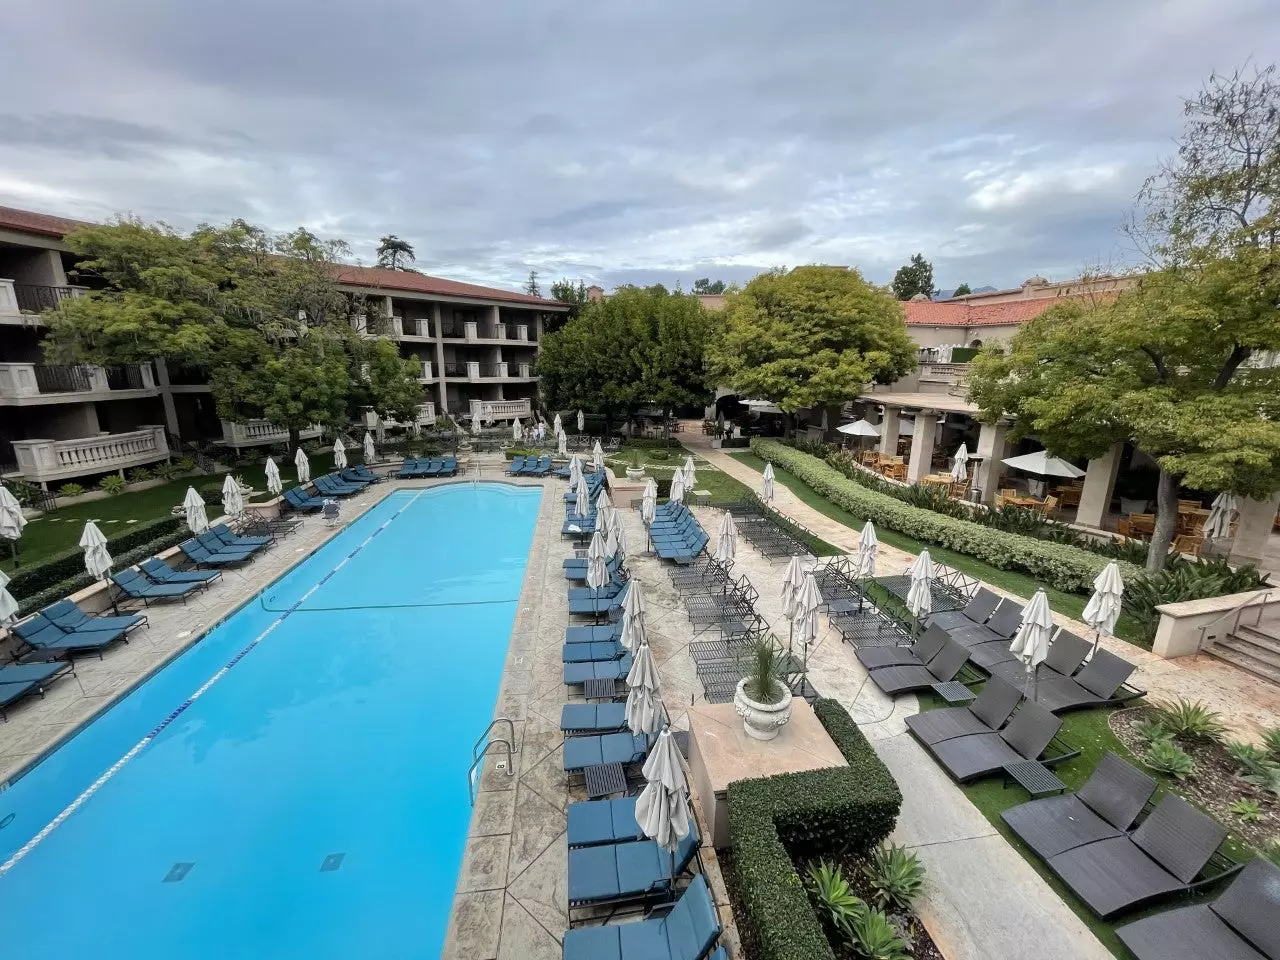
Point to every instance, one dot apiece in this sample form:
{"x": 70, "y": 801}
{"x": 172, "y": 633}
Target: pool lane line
{"x": 222, "y": 671}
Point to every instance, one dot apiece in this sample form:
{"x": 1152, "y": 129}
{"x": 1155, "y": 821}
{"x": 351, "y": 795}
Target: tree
{"x": 394, "y": 253}
{"x": 386, "y": 383}
{"x": 914, "y": 277}
{"x": 566, "y": 291}
{"x": 531, "y": 285}
{"x": 816, "y": 335}
{"x": 706, "y": 287}
{"x": 961, "y": 291}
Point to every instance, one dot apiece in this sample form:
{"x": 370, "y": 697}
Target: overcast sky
{"x": 621, "y": 141}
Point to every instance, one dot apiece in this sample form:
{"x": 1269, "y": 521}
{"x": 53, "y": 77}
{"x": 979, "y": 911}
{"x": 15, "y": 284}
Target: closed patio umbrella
{"x": 1031, "y": 642}
{"x": 617, "y": 535}
{"x": 8, "y": 606}
{"x": 690, "y": 478}
{"x": 633, "y": 628}
{"x": 11, "y": 519}
{"x": 339, "y": 454}
{"x": 303, "y": 465}
{"x": 597, "y": 456}
{"x": 960, "y": 469}
{"x": 766, "y": 485}
{"x": 582, "y": 505}
{"x": 920, "y": 597}
{"x": 1043, "y": 465}
{"x": 1103, "y": 609}
{"x": 792, "y": 577}
{"x": 274, "y": 486}
{"x": 575, "y": 471}
{"x": 677, "y": 488}
{"x": 582, "y": 422}
{"x": 232, "y": 498}
{"x": 662, "y": 809}
{"x": 868, "y": 543}
{"x": 96, "y": 558}
{"x": 808, "y": 603}
{"x": 649, "y": 501}
{"x": 644, "y": 703}
{"x": 370, "y": 454}
{"x": 557, "y": 425}
{"x": 193, "y": 507}
{"x": 604, "y": 508}
{"x": 562, "y": 442}
{"x": 727, "y": 541}
{"x": 597, "y": 574}
{"x": 1218, "y": 526}
{"x": 516, "y": 432}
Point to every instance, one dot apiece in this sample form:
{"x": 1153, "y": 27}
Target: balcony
{"x": 500, "y": 409}
{"x": 20, "y": 303}
{"x": 426, "y": 373}
{"x": 34, "y": 384}
{"x": 42, "y": 461}
{"x": 455, "y": 371}
{"x": 260, "y": 433}
{"x": 426, "y": 416}
{"x": 953, "y": 375}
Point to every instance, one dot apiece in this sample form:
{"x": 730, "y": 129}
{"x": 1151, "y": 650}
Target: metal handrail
{"x": 1260, "y": 599}
{"x": 481, "y": 750}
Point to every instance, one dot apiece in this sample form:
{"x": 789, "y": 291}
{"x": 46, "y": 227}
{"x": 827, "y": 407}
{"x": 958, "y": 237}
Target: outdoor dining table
{"x": 1030, "y": 502}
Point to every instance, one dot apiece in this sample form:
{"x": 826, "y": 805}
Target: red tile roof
{"x": 25, "y": 221}
{"x": 925, "y": 313}
{"x": 421, "y": 283}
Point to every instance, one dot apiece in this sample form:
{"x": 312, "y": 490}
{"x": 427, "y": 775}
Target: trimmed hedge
{"x": 1066, "y": 568}
{"x": 774, "y": 821}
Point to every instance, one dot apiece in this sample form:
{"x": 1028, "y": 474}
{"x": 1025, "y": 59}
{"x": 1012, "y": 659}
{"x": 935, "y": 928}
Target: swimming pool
{"x": 310, "y": 801}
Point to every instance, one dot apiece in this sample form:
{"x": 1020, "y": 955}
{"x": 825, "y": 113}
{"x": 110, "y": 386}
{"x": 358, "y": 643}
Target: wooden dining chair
{"x": 1049, "y": 505}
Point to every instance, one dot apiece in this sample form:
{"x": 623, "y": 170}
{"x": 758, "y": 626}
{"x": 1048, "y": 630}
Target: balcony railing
{"x": 953, "y": 373}
{"x": 43, "y": 460}
{"x": 125, "y": 377}
{"x": 456, "y": 331}
{"x": 257, "y": 433}
{"x": 29, "y": 382}
{"x": 455, "y": 370}
{"x": 426, "y": 373}
{"x": 35, "y": 297}
{"x": 52, "y": 378}
{"x": 425, "y": 416}
{"x": 500, "y": 409}
{"x": 490, "y": 369}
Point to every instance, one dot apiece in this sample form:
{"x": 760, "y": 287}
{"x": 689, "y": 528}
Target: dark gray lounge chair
{"x": 1026, "y": 737}
{"x": 943, "y": 667}
{"x": 1105, "y": 806}
{"x": 1099, "y": 684}
{"x": 976, "y": 612}
{"x": 1242, "y": 924}
{"x": 1164, "y": 856}
{"x": 1066, "y": 653}
{"x": 919, "y": 653}
{"x": 1002, "y": 626}
{"x": 987, "y": 714}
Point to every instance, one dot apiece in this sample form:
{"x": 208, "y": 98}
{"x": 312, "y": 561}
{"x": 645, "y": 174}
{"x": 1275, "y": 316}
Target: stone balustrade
{"x": 257, "y": 433}
{"x": 41, "y": 461}
{"x": 23, "y": 384}
{"x": 500, "y": 409}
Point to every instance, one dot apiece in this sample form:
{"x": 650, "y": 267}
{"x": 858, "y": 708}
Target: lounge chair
{"x": 448, "y": 467}
{"x": 602, "y": 821}
{"x": 161, "y": 572}
{"x": 47, "y": 640}
{"x": 18, "y": 681}
{"x": 628, "y": 871}
{"x": 299, "y": 499}
{"x": 576, "y": 674}
{"x": 575, "y": 568}
{"x": 1242, "y": 924}
{"x": 1105, "y": 806}
{"x": 688, "y": 932}
{"x": 542, "y": 468}
{"x": 216, "y": 546}
{"x": 1026, "y": 737}
{"x": 625, "y": 748}
{"x": 598, "y": 605}
{"x": 201, "y": 555}
{"x": 1163, "y": 857}
{"x": 617, "y": 581}
{"x": 1099, "y": 684}
{"x": 924, "y": 649}
{"x": 515, "y": 466}
{"x": 69, "y": 616}
{"x": 987, "y": 714}
{"x": 944, "y": 666}
{"x": 1003, "y": 625}
{"x": 612, "y": 567}
{"x": 408, "y": 469}
{"x": 1066, "y": 653}
{"x": 587, "y": 718}
{"x": 593, "y": 633}
{"x": 135, "y": 586}
{"x": 232, "y": 540}
{"x": 360, "y": 474}
{"x": 975, "y": 613}
{"x": 582, "y": 652}
{"x": 332, "y": 488}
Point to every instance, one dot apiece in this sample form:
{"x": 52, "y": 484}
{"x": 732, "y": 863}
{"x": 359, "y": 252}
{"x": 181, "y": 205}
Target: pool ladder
{"x": 483, "y": 748}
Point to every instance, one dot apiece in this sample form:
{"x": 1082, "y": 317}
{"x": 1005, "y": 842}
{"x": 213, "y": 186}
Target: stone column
{"x": 438, "y": 333}
{"x": 993, "y": 446}
{"x": 166, "y": 396}
{"x": 889, "y": 430}
{"x": 1099, "y": 482}
{"x": 923, "y": 439}
{"x": 1253, "y": 530}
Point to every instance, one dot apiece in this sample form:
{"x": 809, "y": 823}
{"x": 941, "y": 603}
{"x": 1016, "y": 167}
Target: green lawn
{"x": 1070, "y": 604}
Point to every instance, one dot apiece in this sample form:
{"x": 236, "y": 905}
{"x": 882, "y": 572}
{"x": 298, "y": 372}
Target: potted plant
{"x": 635, "y": 472}
{"x": 762, "y": 699}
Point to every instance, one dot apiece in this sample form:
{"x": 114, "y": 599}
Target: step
{"x": 1259, "y": 646}
{"x": 1261, "y": 637}
{"x": 1244, "y": 662}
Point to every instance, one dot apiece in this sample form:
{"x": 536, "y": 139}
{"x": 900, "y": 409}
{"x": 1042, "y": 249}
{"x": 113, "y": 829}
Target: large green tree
{"x": 1167, "y": 365}
{"x": 394, "y": 253}
{"x": 566, "y": 291}
{"x": 913, "y": 278}
{"x": 813, "y": 336}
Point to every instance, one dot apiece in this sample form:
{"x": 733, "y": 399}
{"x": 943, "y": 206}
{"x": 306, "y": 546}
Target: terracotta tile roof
{"x": 925, "y": 313}
{"x": 26, "y": 221}
{"x": 421, "y": 283}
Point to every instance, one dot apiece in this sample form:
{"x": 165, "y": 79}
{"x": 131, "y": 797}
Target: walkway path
{"x": 1248, "y": 704}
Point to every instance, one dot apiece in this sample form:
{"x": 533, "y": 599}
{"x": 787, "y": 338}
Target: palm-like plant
{"x": 832, "y": 892}
{"x": 897, "y": 876}
{"x": 764, "y": 672}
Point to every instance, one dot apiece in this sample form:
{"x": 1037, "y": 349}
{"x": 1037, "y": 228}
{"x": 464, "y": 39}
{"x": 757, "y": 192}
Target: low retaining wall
{"x": 1186, "y": 627}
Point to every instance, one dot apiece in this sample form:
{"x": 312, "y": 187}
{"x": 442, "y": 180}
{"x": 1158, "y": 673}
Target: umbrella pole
{"x": 1097, "y": 639}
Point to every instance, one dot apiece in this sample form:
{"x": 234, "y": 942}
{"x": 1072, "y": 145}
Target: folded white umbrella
{"x": 960, "y": 469}
{"x": 644, "y": 703}
{"x": 562, "y": 442}
{"x": 303, "y": 464}
{"x": 274, "y": 486}
{"x": 597, "y": 456}
{"x": 633, "y": 627}
{"x": 617, "y": 535}
{"x": 370, "y": 454}
{"x": 557, "y": 426}
{"x": 727, "y": 541}
{"x": 1043, "y": 465}
{"x": 96, "y": 558}
{"x": 232, "y": 498}
{"x": 575, "y": 471}
{"x": 1218, "y": 526}
{"x": 677, "y": 488}
{"x": 868, "y": 543}
{"x": 339, "y": 454}
{"x": 11, "y": 519}
{"x": 792, "y": 577}
{"x": 808, "y": 603}
{"x": 766, "y": 485}
{"x": 582, "y": 422}
{"x": 597, "y": 574}
{"x": 1103, "y": 609}
{"x": 582, "y": 505}
{"x": 662, "y": 809}
{"x": 8, "y": 606}
{"x": 193, "y": 507}
{"x": 690, "y": 478}
{"x": 920, "y": 597}
{"x": 649, "y": 501}
{"x": 1031, "y": 642}
{"x": 611, "y": 536}
{"x": 859, "y": 428}
{"x": 515, "y": 429}
{"x": 604, "y": 508}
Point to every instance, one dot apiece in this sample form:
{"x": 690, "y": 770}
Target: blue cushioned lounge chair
{"x": 135, "y": 586}
{"x": 625, "y": 748}
{"x": 19, "y": 681}
{"x": 515, "y": 466}
{"x": 45, "y": 639}
{"x": 229, "y": 538}
{"x": 69, "y": 616}
{"x": 602, "y": 821}
{"x": 161, "y": 572}
{"x": 201, "y": 555}
{"x": 596, "y": 606}
{"x": 593, "y": 633}
{"x": 448, "y": 467}
{"x": 216, "y": 546}
{"x": 579, "y": 673}
{"x": 588, "y": 718}
{"x": 688, "y": 932}
{"x": 332, "y": 488}
{"x": 599, "y": 650}
{"x": 299, "y": 499}
{"x": 622, "y": 872}
{"x": 360, "y": 474}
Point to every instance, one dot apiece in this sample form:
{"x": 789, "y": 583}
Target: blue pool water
{"x": 323, "y": 746}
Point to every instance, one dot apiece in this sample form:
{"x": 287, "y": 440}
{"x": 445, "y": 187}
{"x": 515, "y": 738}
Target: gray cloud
{"x": 621, "y": 142}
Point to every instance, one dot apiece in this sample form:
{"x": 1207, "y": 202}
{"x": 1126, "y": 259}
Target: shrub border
{"x": 816, "y": 813}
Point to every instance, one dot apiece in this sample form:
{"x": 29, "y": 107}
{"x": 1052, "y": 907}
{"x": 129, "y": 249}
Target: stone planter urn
{"x": 635, "y": 474}
{"x": 762, "y": 721}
